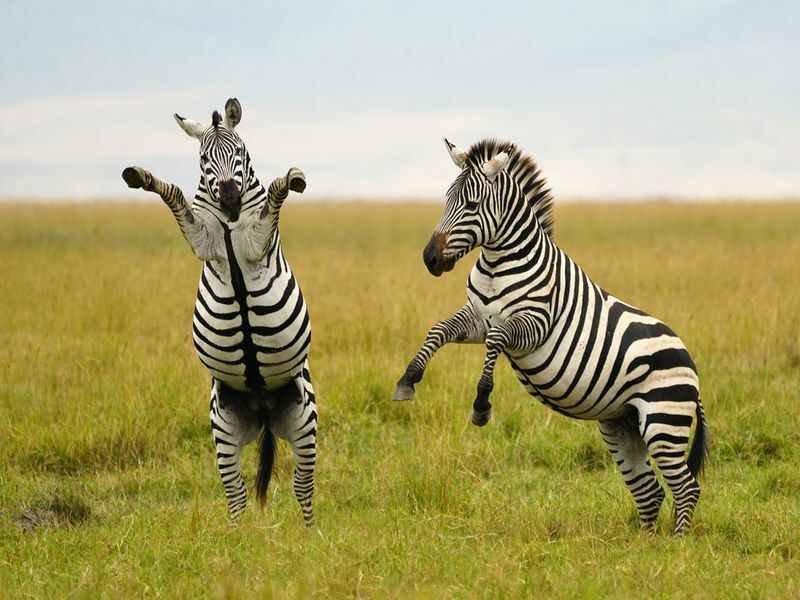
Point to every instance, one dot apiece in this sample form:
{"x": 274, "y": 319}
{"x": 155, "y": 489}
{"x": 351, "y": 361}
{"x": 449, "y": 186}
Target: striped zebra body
{"x": 581, "y": 351}
{"x": 250, "y": 328}
{"x": 582, "y": 368}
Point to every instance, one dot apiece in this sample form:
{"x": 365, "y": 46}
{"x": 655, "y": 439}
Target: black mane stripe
{"x": 524, "y": 170}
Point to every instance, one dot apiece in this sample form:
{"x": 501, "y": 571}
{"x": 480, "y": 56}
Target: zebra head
{"x": 223, "y": 157}
{"x": 473, "y": 207}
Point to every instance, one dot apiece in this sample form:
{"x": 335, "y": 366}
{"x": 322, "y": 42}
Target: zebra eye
{"x": 470, "y": 205}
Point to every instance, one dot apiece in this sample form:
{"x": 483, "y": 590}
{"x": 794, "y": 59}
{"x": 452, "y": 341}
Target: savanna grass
{"x": 108, "y": 485}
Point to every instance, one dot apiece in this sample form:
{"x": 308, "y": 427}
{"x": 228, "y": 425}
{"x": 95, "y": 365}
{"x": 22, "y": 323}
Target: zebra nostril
{"x": 429, "y": 255}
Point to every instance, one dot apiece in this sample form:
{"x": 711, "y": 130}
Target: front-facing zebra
{"x": 583, "y": 352}
{"x": 251, "y": 327}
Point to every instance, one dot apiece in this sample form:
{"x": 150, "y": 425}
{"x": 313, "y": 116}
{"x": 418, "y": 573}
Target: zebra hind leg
{"x": 232, "y": 430}
{"x": 628, "y": 450}
{"x": 299, "y": 427}
{"x": 665, "y": 430}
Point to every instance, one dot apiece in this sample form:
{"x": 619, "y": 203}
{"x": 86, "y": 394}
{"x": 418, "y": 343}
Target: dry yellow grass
{"x": 108, "y": 483}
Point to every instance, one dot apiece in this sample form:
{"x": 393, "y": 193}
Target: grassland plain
{"x": 108, "y": 484}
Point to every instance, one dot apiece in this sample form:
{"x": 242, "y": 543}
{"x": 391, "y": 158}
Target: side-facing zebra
{"x": 251, "y": 328}
{"x": 583, "y": 352}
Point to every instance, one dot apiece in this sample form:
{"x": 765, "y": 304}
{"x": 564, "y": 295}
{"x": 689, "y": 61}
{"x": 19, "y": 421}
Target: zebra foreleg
{"x": 264, "y": 229}
{"x": 232, "y": 431}
{"x": 496, "y": 342}
{"x": 628, "y": 450}
{"x": 462, "y": 327}
{"x": 192, "y": 227}
{"x": 521, "y": 332}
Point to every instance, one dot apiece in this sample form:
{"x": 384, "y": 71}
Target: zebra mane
{"x": 216, "y": 118}
{"x": 524, "y": 170}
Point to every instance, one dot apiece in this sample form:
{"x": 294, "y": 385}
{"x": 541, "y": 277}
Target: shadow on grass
{"x": 62, "y": 509}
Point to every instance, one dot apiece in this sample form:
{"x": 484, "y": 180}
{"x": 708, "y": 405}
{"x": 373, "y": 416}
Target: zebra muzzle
{"x": 230, "y": 199}
{"x": 433, "y": 255}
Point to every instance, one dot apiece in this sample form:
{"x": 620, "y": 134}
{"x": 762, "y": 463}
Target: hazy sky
{"x": 614, "y": 99}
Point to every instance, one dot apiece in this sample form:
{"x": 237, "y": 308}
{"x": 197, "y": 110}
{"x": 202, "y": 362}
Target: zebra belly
{"x": 280, "y": 329}
{"x": 229, "y": 365}
{"x": 596, "y": 370}
{"x": 255, "y": 340}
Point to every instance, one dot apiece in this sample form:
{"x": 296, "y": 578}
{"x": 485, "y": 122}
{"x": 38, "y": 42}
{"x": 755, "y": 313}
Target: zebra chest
{"x": 488, "y": 298}
{"x": 487, "y": 313}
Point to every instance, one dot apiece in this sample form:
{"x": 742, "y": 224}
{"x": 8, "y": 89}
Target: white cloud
{"x": 81, "y": 131}
{"x": 74, "y": 148}
{"x": 82, "y": 145}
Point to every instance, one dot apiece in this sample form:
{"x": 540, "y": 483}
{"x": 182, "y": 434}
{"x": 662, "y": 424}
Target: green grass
{"x": 108, "y": 484}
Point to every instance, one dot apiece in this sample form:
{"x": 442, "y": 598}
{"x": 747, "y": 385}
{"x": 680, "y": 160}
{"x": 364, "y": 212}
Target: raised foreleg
{"x": 463, "y": 327}
{"x": 264, "y": 229}
{"x": 194, "y": 229}
{"x": 520, "y": 332}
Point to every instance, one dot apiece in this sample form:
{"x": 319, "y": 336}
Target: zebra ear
{"x": 192, "y": 128}
{"x": 492, "y": 168}
{"x": 457, "y": 154}
{"x": 233, "y": 112}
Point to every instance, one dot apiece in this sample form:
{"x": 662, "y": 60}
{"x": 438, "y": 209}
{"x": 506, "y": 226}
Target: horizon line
{"x": 360, "y": 199}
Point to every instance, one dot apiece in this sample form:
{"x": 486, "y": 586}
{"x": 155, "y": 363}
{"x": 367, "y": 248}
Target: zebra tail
{"x": 266, "y": 464}
{"x": 699, "y": 450}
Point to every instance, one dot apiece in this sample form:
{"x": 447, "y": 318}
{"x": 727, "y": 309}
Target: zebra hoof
{"x": 481, "y": 418}
{"x": 403, "y": 392}
{"x": 297, "y": 180}
{"x": 133, "y": 178}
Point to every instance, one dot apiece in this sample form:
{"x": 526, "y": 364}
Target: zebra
{"x": 251, "y": 327}
{"x": 581, "y": 351}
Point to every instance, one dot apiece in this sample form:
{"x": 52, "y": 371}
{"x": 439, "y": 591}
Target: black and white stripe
{"x": 251, "y": 328}
{"x": 583, "y": 352}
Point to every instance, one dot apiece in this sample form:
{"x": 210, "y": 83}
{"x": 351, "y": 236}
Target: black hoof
{"x": 297, "y": 183}
{"x": 133, "y": 178}
{"x": 403, "y": 392}
{"x": 481, "y": 418}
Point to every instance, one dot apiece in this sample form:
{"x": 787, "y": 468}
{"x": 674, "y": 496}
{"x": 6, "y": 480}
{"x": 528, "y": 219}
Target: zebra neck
{"x": 519, "y": 238}
{"x": 254, "y": 196}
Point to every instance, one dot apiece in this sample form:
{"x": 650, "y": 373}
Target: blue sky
{"x": 614, "y": 99}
